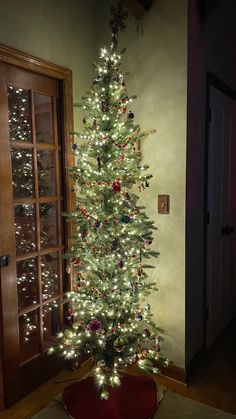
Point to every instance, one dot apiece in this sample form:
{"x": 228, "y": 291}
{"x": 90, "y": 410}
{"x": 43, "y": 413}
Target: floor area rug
{"x": 173, "y": 406}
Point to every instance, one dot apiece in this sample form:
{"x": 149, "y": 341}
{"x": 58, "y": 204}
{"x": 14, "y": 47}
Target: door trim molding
{"x": 211, "y": 81}
{"x": 37, "y": 65}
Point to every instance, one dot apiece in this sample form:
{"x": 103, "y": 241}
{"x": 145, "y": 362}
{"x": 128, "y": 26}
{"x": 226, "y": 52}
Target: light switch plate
{"x": 163, "y": 204}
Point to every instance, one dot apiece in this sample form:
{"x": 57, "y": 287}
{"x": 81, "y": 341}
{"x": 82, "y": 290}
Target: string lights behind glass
{"x": 19, "y": 114}
{"x": 20, "y": 129}
{"x": 27, "y": 282}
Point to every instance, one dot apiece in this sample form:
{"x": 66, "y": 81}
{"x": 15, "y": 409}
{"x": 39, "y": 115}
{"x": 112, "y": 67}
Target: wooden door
{"x": 221, "y": 243}
{"x": 31, "y": 234}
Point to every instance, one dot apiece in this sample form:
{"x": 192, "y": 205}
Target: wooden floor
{"x": 214, "y": 383}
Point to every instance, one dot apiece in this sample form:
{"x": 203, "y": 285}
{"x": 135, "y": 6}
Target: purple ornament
{"x": 121, "y": 264}
{"x": 94, "y": 325}
{"x": 74, "y": 147}
{"x": 130, "y": 115}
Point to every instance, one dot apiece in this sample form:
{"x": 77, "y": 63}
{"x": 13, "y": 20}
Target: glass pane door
{"x": 35, "y": 158}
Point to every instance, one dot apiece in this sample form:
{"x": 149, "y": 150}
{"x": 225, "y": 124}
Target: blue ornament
{"x": 147, "y": 307}
{"x": 125, "y": 219}
{"x": 97, "y": 224}
{"x": 138, "y": 317}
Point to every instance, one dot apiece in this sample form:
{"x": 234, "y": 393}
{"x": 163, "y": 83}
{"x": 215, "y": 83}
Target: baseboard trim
{"x": 176, "y": 373}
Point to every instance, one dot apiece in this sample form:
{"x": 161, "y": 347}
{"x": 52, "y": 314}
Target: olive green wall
{"x": 64, "y": 32}
{"x": 60, "y": 31}
{"x": 157, "y": 62}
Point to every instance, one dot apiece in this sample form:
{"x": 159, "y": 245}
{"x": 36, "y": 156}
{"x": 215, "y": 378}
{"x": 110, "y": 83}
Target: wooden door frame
{"x": 212, "y": 81}
{"x": 26, "y": 61}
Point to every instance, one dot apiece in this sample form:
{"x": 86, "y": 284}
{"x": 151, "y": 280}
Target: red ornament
{"x": 94, "y": 325}
{"x": 121, "y": 158}
{"x": 146, "y": 333}
{"x": 70, "y": 314}
{"x": 83, "y": 210}
{"x": 76, "y": 261}
{"x": 116, "y": 186}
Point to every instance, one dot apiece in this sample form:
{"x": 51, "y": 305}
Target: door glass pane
{"x": 22, "y": 173}
{"x": 29, "y": 335}
{"x": 43, "y": 118}
{"x": 27, "y": 283}
{"x": 51, "y": 323}
{"x": 19, "y": 114}
{"x": 50, "y": 277}
{"x": 25, "y": 228}
{"x": 46, "y": 173}
{"x": 48, "y": 229}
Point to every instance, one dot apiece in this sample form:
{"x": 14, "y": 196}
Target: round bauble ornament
{"x": 116, "y": 186}
{"x": 146, "y": 333}
{"x": 97, "y": 224}
{"x": 124, "y": 219}
{"x": 138, "y": 317}
{"x": 147, "y": 307}
{"x": 119, "y": 345}
{"x": 74, "y": 147}
{"x": 76, "y": 261}
{"x": 69, "y": 315}
{"x": 121, "y": 158}
{"x": 130, "y": 115}
{"x": 94, "y": 325}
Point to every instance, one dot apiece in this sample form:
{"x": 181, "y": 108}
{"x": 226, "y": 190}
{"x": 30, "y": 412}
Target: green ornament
{"x": 119, "y": 345}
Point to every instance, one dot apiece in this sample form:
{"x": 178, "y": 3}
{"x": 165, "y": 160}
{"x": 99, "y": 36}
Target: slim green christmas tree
{"x": 108, "y": 316}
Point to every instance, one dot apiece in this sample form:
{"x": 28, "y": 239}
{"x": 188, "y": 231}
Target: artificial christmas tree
{"x": 108, "y": 318}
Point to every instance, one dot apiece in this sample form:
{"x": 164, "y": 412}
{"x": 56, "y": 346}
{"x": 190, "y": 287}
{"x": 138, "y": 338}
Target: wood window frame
{"x": 26, "y": 61}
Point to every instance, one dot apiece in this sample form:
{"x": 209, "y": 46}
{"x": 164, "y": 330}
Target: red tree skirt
{"x": 136, "y": 398}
